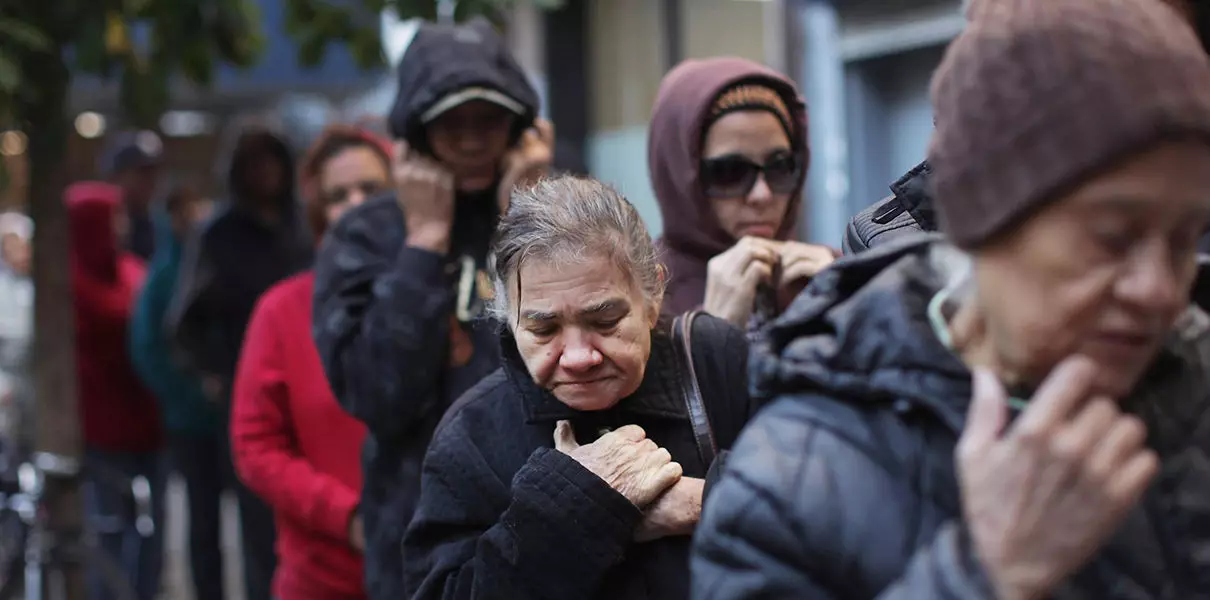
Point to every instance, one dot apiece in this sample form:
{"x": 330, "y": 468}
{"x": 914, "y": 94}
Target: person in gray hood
{"x": 400, "y": 282}
{"x": 1018, "y": 410}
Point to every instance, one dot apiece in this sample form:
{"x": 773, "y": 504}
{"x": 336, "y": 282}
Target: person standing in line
{"x": 400, "y": 282}
{"x": 1016, "y": 410}
{"x": 132, "y": 161}
{"x": 256, "y": 239}
{"x": 728, "y": 155}
{"x": 293, "y": 444}
{"x": 119, "y": 416}
{"x": 192, "y": 419}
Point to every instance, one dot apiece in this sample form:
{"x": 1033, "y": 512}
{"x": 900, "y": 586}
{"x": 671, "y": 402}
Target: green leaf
{"x": 197, "y": 65}
{"x": 366, "y": 48}
{"x": 144, "y": 92}
{"x": 10, "y": 74}
{"x": 415, "y": 9}
{"x": 91, "y": 55}
{"x": 311, "y": 50}
{"x": 24, "y": 34}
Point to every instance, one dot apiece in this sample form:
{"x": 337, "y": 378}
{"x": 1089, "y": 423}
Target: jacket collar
{"x": 659, "y": 395}
{"x": 912, "y": 190}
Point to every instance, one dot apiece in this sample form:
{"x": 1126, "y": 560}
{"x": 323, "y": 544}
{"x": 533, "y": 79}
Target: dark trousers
{"x": 112, "y": 515}
{"x": 205, "y": 464}
{"x": 199, "y": 461}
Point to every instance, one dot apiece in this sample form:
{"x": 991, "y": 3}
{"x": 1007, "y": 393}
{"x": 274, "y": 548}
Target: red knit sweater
{"x": 297, "y": 449}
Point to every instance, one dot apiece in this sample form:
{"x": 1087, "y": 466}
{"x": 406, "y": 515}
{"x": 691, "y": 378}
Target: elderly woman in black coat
{"x": 578, "y": 469}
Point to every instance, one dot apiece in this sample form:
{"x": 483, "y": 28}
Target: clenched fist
{"x": 625, "y": 459}
{"x": 425, "y": 192}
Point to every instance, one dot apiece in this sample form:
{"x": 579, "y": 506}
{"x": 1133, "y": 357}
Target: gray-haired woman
{"x": 576, "y": 470}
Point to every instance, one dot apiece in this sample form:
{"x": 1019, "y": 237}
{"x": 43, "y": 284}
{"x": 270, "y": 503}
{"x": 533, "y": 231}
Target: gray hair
{"x": 568, "y": 219}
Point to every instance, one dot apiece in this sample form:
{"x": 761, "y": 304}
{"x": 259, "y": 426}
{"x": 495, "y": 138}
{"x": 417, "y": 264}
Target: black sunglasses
{"x": 734, "y": 175}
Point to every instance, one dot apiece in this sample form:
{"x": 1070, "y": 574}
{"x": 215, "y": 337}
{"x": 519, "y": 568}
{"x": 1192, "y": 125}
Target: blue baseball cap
{"x": 131, "y": 150}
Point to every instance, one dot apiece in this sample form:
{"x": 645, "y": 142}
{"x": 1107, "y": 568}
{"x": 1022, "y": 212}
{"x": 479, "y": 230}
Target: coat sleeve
{"x": 264, "y": 447}
{"x": 786, "y": 521}
{"x": 194, "y": 319}
{"x": 552, "y": 533}
{"x": 381, "y": 320}
{"x": 155, "y": 369}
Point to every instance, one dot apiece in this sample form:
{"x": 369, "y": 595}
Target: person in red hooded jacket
{"x": 293, "y": 444}
{"x": 120, "y": 418}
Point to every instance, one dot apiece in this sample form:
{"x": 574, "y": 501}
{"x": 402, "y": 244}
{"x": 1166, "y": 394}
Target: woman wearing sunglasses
{"x": 728, "y": 155}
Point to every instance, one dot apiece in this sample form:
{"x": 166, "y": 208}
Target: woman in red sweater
{"x": 120, "y": 418}
{"x": 293, "y": 444}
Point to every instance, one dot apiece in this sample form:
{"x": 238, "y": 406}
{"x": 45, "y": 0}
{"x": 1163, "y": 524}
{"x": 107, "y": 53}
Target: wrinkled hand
{"x": 801, "y": 261}
{"x": 357, "y": 533}
{"x": 1040, "y": 499}
{"x": 425, "y": 192}
{"x": 625, "y": 459}
{"x": 528, "y": 161}
{"x": 675, "y": 512}
{"x": 732, "y": 277}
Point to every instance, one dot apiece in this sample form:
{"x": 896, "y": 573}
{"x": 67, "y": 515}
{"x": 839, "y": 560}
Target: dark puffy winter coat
{"x": 845, "y": 486}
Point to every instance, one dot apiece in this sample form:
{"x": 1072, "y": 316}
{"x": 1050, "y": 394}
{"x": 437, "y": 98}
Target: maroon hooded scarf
{"x": 692, "y": 234}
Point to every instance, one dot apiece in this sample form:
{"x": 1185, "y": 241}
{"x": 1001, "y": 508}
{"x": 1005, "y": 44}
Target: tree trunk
{"x": 54, "y": 370}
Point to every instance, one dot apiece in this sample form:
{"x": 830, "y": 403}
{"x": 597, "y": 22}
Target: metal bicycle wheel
{"x": 100, "y": 569}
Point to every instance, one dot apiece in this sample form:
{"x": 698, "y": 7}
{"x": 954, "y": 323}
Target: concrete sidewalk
{"x": 177, "y": 583}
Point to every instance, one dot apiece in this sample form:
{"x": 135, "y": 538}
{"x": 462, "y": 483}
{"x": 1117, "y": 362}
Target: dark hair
{"x": 334, "y": 140}
{"x": 178, "y": 190}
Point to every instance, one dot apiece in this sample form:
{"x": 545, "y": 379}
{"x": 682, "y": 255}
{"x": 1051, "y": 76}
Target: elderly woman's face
{"x": 583, "y": 330}
{"x": 1104, "y": 272}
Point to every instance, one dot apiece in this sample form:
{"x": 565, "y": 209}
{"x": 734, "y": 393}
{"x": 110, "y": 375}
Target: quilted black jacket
{"x": 845, "y": 487}
{"x": 908, "y": 211}
{"x": 503, "y": 515}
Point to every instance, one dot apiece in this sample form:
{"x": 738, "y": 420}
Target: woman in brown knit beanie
{"x": 727, "y": 152}
{"x": 1018, "y": 410}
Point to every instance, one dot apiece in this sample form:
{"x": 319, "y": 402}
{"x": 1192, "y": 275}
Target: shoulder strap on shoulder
{"x": 682, "y": 337}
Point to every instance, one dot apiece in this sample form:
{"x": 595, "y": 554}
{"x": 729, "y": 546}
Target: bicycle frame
{"x": 44, "y": 551}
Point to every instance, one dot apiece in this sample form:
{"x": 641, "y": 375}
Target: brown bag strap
{"x": 682, "y": 336}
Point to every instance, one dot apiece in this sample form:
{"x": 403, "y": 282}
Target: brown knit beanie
{"x": 1036, "y": 96}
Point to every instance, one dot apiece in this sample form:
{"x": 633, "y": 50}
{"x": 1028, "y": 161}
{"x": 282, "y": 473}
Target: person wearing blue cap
{"x": 132, "y": 162}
